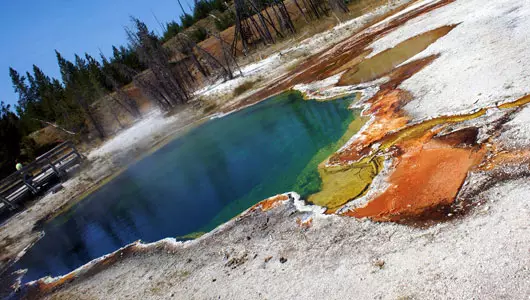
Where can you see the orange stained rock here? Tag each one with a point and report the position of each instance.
(270, 203)
(47, 287)
(304, 223)
(348, 174)
(386, 118)
(385, 108)
(425, 176)
(504, 157)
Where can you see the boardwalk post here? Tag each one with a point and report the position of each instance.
(55, 170)
(22, 173)
(75, 151)
(30, 186)
(7, 203)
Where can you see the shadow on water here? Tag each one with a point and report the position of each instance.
(198, 181)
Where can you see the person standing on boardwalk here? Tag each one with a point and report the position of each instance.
(27, 178)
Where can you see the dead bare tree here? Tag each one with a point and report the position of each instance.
(54, 125)
(89, 113)
(144, 81)
(167, 85)
(210, 59)
(315, 9)
(112, 111)
(253, 22)
(301, 11)
(186, 48)
(243, 30)
(285, 18)
(228, 57)
(120, 96)
(338, 6)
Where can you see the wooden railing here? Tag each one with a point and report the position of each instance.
(35, 177)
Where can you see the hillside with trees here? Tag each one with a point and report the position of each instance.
(165, 68)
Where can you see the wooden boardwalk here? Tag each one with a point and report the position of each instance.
(52, 165)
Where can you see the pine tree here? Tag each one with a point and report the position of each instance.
(9, 131)
(21, 88)
(186, 20)
(202, 9)
(79, 88)
(120, 96)
(172, 29)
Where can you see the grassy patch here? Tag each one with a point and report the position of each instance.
(245, 86)
(181, 274)
(209, 108)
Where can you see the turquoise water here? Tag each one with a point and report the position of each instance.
(197, 181)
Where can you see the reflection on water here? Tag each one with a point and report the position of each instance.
(195, 182)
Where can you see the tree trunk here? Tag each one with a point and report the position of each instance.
(55, 126)
(301, 11)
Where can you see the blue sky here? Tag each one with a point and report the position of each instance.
(32, 29)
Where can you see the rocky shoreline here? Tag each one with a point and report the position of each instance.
(289, 251)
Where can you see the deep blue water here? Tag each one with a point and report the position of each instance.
(196, 182)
